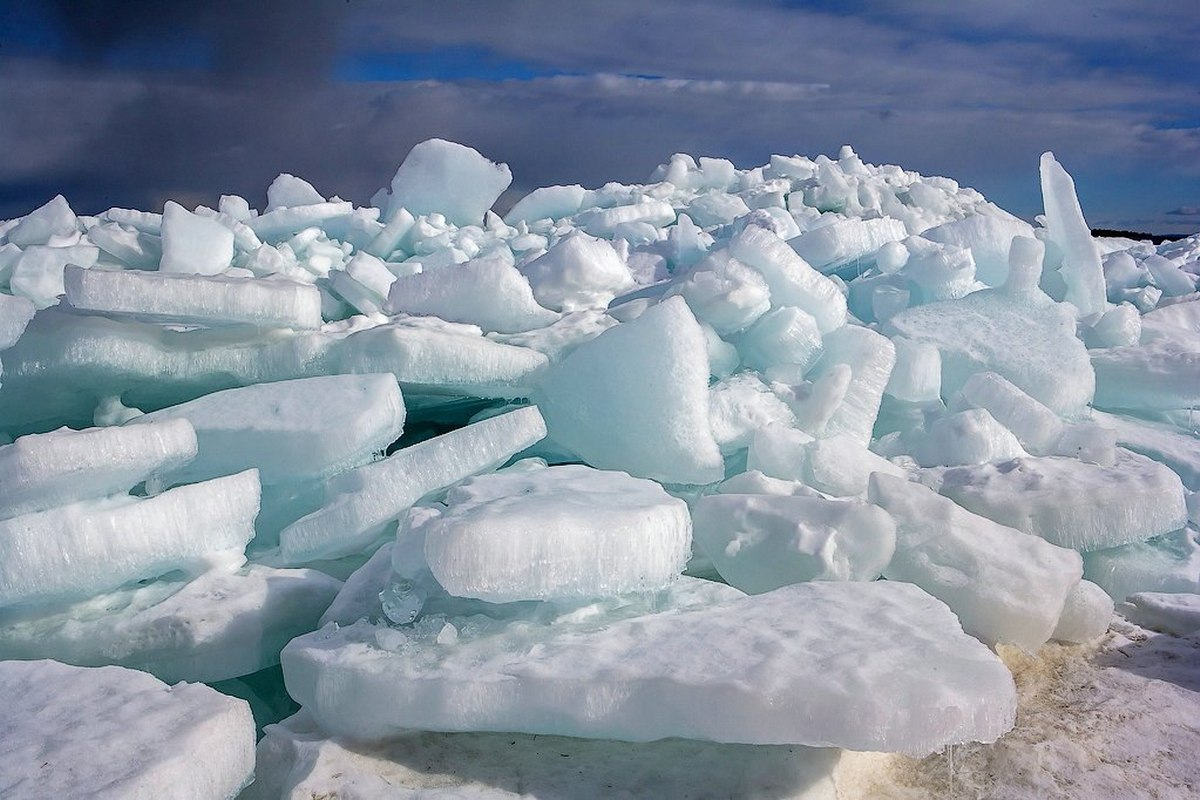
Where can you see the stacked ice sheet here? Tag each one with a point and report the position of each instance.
(625, 464)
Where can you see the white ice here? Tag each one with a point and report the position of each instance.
(447, 178)
(192, 244)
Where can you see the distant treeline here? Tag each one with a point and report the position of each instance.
(1157, 238)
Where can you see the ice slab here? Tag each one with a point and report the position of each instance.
(115, 732)
(724, 292)
(1162, 373)
(844, 245)
(1006, 586)
(1177, 613)
(196, 299)
(488, 292)
(288, 190)
(1163, 443)
(15, 313)
(989, 237)
(1073, 503)
(791, 280)
(839, 465)
(1086, 615)
(38, 273)
(78, 550)
(870, 357)
(282, 223)
(547, 202)
(194, 244)
(966, 437)
(1036, 427)
(299, 430)
(297, 761)
(875, 666)
(782, 336)
(360, 502)
(1081, 270)
(449, 178)
(635, 399)
(558, 339)
(762, 542)
(41, 471)
(219, 625)
(578, 272)
(739, 406)
(54, 220)
(1168, 563)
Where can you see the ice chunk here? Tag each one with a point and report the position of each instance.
(297, 761)
(219, 625)
(966, 437)
(608, 222)
(63, 727)
(78, 550)
(560, 532)
(759, 542)
(38, 273)
(1162, 373)
(988, 236)
(786, 335)
(1168, 563)
(1066, 229)
(1167, 276)
(1173, 613)
(578, 272)
(194, 244)
(635, 398)
(847, 245)
(15, 314)
(740, 405)
(1185, 316)
(488, 292)
(1036, 427)
(204, 299)
(789, 277)
(360, 502)
(917, 375)
(1086, 614)
(1120, 326)
(1163, 443)
(547, 202)
(1005, 586)
(558, 339)
(1073, 503)
(299, 430)
(129, 246)
(717, 208)
(41, 471)
(451, 179)
(870, 357)
(54, 220)
(875, 666)
(288, 190)
(724, 292)
(278, 225)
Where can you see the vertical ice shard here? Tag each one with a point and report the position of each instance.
(1081, 270)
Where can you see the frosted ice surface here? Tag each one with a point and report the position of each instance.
(578, 272)
(785, 335)
(1162, 373)
(1168, 563)
(218, 625)
(870, 357)
(304, 429)
(1036, 427)
(41, 471)
(115, 732)
(360, 502)
(759, 542)
(194, 244)
(635, 399)
(547, 202)
(38, 273)
(847, 243)
(296, 761)
(1086, 615)
(791, 280)
(15, 313)
(1081, 270)
(559, 338)
(560, 532)
(1163, 443)
(966, 437)
(278, 225)
(917, 375)
(1074, 503)
(488, 292)
(724, 292)
(1177, 613)
(53, 221)
(874, 666)
(451, 179)
(646, 213)
(988, 236)
(739, 406)
(127, 245)
(288, 190)
(1005, 586)
(78, 550)
(204, 299)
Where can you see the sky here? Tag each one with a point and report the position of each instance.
(136, 102)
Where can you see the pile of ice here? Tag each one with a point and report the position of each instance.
(626, 463)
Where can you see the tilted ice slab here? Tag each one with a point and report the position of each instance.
(221, 624)
(15, 313)
(1174, 613)
(304, 429)
(449, 178)
(791, 280)
(1163, 443)
(360, 502)
(204, 299)
(635, 399)
(1006, 586)
(1073, 503)
(1162, 373)
(78, 550)
(876, 666)
(115, 732)
(761, 542)
(41, 471)
(559, 532)
(870, 357)
(297, 761)
(1066, 228)
(192, 244)
(1168, 563)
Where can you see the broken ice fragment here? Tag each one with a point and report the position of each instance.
(449, 178)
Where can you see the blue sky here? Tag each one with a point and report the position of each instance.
(135, 102)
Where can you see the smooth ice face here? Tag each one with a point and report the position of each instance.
(785, 335)
(305, 429)
(1081, 270)
(875, 666)
(547, 202)
(989, 237)
(54, 220)
(791, 280)
(38, 273)
(966, 437)
(15, 313)
(115, 732)
(1168, 563)
(725, 293)
(194, 244)
(1036, 427)
(761, 542)
(451, 179)
(78, 550)
(1073, 503)
(1005, 586)
(204, 299)
(578, 272)
(870, 357)
(488, 292)
(847, 242)
(41, 471)
(221, 624)
(296, 761)
(741, 405)
(1162, 373)
(360, 502)
(556, 533)
(288, 190)
(1086, 614)
(635, 399)
(1163, 443)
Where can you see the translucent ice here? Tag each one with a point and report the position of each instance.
(546, 202)
(1163, 443)
(874, 666)
(1086, 615)
(38, 273)
(724, 292)
(1036, 427)
(870, 357)
(786, 335)
(115, 732)
(1081, 270)
(194, 244)
(451, 179)
(966, 437)
(791, 280)
(988, 236)
(578, 272)
(54, 220)
(1162, 373)
(560, 532)
(846, 243)
(1168, 563)
(15, 313)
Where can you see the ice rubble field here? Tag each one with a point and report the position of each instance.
(748, 467)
